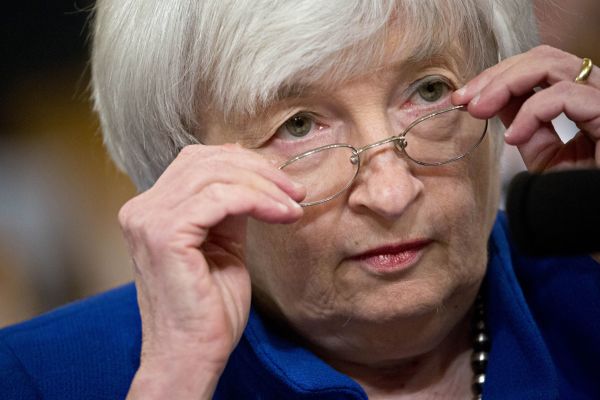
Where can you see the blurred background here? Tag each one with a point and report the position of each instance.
(60, 193)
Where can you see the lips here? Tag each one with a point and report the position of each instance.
(392, 258)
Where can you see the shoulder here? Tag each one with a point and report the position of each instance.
(563, 296)
(86, 349)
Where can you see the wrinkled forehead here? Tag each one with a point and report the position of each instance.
(280, 54)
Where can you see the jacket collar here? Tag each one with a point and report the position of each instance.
(520, 365)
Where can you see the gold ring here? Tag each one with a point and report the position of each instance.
(585, 71)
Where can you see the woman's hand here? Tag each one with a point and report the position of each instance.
(507, 90)
(186, 236)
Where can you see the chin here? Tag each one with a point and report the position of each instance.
(386, 336)
(437, 282)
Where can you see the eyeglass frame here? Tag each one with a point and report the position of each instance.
(400, 144)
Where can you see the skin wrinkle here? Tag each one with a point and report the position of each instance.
(304, 279)
(409, 328)
(186, 65)
(264, 121)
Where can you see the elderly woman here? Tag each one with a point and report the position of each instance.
(318, 209)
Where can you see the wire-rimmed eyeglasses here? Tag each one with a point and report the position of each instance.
(435, 139)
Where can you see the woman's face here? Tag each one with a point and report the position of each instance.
(387, 269)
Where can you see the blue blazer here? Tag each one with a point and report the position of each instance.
(543, 317)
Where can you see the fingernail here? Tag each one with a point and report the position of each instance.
(476, 99)
(462, 91)
(283, 207)
(508, 132)
(293, 205)
(297, 185)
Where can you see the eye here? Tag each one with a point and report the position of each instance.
(298, 126)
(432, 90)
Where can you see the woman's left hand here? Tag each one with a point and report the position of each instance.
(507, 90)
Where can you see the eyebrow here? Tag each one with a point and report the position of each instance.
(411, 62)
(256, 134)
(296, 90)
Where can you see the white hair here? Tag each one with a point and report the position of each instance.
(155, 63)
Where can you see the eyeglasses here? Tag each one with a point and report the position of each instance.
(435, 139)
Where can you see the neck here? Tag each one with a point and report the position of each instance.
(444, 372)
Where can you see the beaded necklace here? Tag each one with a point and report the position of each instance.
(481, 346)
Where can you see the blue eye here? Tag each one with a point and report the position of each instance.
(299, 125)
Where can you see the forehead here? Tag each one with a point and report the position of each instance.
(394, 51)
(288, 69)
(395, 64)
(330, 46)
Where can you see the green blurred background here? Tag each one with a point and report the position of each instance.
(59, 192)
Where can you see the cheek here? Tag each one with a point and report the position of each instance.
(466, 198)
(292, 264)
(485, 175)
(293, 267)
(475, 204)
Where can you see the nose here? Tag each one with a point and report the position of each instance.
(385, 185)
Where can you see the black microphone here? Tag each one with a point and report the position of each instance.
(555, 213)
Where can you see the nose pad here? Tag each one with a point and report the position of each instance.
(400, 144)
(385, 184)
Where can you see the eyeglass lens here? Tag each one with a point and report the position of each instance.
(329, 170)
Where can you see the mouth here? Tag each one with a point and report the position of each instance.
(392, 258)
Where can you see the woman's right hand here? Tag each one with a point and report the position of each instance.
(186, 236)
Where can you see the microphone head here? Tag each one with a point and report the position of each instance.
(555, 213)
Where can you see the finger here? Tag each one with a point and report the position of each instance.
(466, 94)
(510, 111)
(248, 159)
(519, 80)
(219, 201)
(194, 170)
(193, 159)
(518, 76)
(539, 144)
(169, 195)
(580, 103)
(539, 151)
(144, 215)
(178, 233)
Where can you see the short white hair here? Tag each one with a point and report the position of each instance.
(155, 63)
